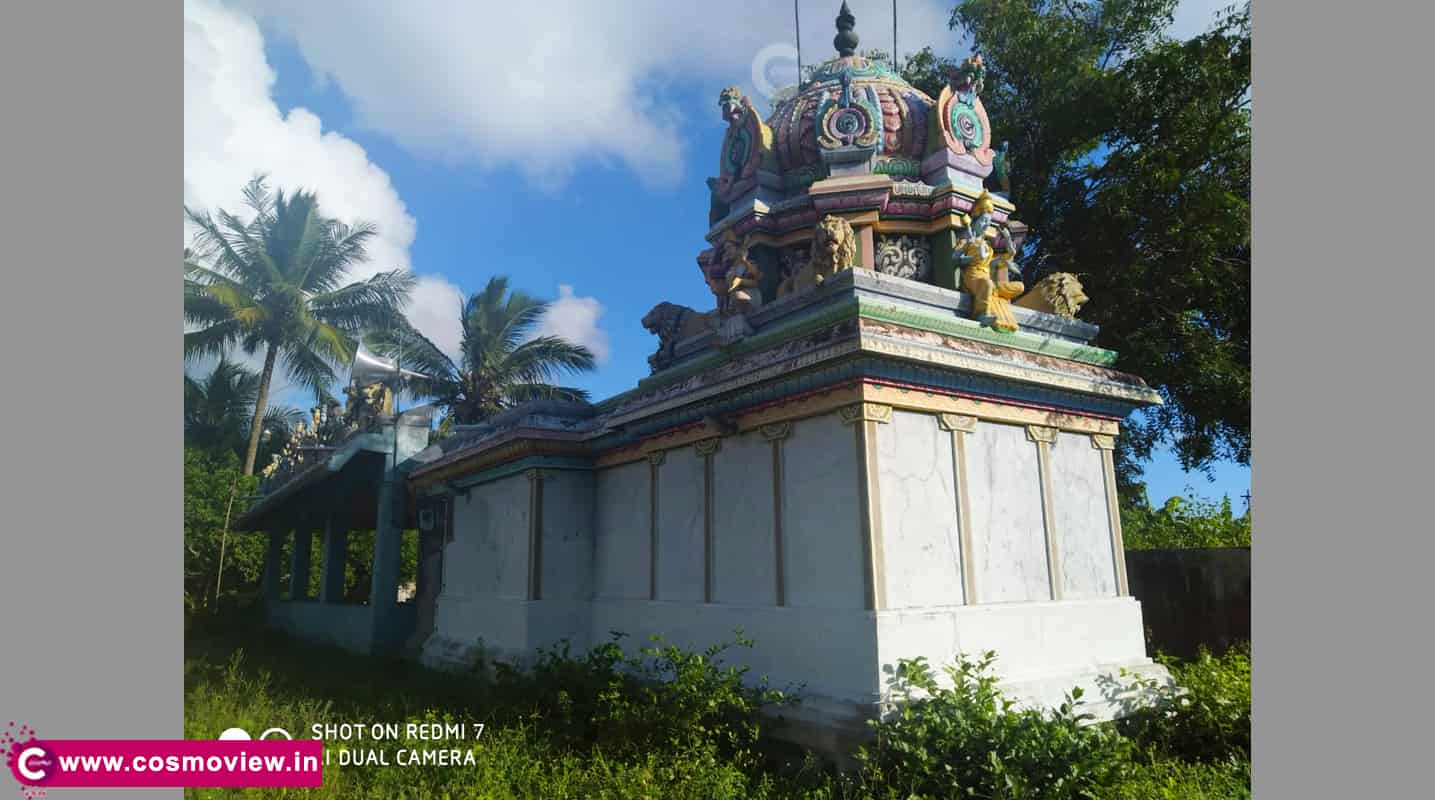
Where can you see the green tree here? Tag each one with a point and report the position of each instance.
(217, 409)
(501, 362)
(1188, 522)
(1131, 164)
(214, 493)
(276, 284)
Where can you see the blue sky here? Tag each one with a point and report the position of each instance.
(562, 145)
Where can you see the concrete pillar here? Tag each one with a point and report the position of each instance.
(336, 552)
(299, 564)
(867, 247)
(272, 554)
(391, 625)
(388, 540)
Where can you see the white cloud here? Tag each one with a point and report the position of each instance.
(551, 87)
(434, 309)
(233, 129)
(576, 319)
(548, 87)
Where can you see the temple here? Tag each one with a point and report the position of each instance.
(879, 443)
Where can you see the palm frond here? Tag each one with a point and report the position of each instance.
(526, 392)
(541, 359)
(368, 304)
(309, 369)
(414, 351)
(213, 340)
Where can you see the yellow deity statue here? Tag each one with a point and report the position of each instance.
(985, 271)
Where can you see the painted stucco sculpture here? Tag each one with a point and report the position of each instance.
(961, 115)
(673, 323)
(1059, 293)
(737, 280)
(746, 147)
(366, 403)
(985, 272)
(834, 248)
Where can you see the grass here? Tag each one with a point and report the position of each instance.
(238, 675)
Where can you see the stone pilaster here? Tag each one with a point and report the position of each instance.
(1045, 439)
(961, 426)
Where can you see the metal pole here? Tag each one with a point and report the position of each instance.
(895, 62)
(797, 23)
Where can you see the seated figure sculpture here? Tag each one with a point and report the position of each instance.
(737, 292)
(985, 272)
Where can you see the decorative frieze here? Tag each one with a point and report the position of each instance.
(776, 431)
(1041, 434)
(904, 256)
(957, 422)
(865, 412)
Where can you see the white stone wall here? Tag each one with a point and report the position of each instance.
(596, 558)
(568, 544)
(488, 556)
(921, 532)
(744, 535)
(621, 531)
(1083, 518)
(680, 526)
(832, 651)
(821, 515)
(1008, 526)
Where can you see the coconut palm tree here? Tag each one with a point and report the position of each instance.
(275, 284)
(501, 362)
(217, 409)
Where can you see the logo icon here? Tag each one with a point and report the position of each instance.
(31, 761)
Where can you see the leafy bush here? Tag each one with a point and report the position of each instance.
(1178, 780)
(971, 741)
(1206, 717)
(1184, 523)
(661, 698)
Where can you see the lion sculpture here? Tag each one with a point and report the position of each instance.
(1059, 293)
(673, 323)
(834, 248)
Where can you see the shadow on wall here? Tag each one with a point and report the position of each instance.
(1191, 598)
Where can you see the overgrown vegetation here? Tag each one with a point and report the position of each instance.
(968, 739)
(1184, 522)
(1208, 720)
(215, 493)
(658, 721)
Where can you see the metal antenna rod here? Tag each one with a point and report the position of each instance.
(797, 23)
(894, 36)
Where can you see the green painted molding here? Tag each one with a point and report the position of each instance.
(971, 329)
(857, 306)
(790, 329)
(511, 468)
